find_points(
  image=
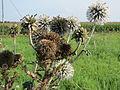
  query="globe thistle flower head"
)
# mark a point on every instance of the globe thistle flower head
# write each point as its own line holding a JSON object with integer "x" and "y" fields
{"x": 46, "y": 49}
{"x": 44, "y": 22}
{"x": 73, "y": 23}
{"x": 9, "y": 60}
{"x": 98, "y": 13}
{"x": 65, "y": 50}
{"x": 37, "y": 36}
{"x": 53, "y": 37}
{"x": 65, "y": 69}
{"x": 14, "y": 30}
{"x": 80, "y": 35}
{"x": 59, "y": 25}
{"x": 29, "y": 22}
{"x": 41, "y": 34}
{"x": 6, "y": 59}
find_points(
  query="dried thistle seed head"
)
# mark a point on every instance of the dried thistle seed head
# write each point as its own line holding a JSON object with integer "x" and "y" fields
{"x": 54, "y": 37}
{"x": 98, "y": 13}
{"x": 46, "y": 49}
{"x": 14, "y": 30}
{"x": 44, "y": 22}
{"x": 80, "y": 35}
{"x": 18, "y": 59}
{"x": 29, "y": 22}
{"x": 65, "y": 50}
{"x": 6, "y": 58}
{"x": 73, "y": 23}
{"x": 66, "y": 70}
{"x": 59, "y": 25}
{"x": 37, "y": 36}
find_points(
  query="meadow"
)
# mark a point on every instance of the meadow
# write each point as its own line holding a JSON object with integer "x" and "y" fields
{"x": 99, "y": 71}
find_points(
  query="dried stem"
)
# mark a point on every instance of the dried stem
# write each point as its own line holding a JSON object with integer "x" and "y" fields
{"x": 69, "y": 35}
{"x": 14, "y": 39}
{"x": 77, "y": 48}
{"x": 84, "y": 47}
{"x": 91, "y": 34}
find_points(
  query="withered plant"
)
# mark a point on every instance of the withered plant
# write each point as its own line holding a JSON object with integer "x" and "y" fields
{"x": 14, "y": 31}
{"x": 8, "y": 61}
{"x": 54, "y": 54}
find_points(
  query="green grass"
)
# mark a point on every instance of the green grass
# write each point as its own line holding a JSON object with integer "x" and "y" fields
{"x": 99, "y": 71}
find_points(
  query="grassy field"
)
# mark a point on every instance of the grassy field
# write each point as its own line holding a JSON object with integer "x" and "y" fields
{"x": 99, "y": 71}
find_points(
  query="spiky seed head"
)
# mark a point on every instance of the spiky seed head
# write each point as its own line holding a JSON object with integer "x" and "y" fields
{"x": 59, "y": 25}
{"x": 29, "y": 22}
{"x": 80, "y": 35}
{"x": 98, "y": 13}
{"x": 65, "y": 69}
{"x": 65, "y": 50}
{"x": 44, "y": 22}
{"x": 46, "y": 49}
{"x": 6, "y": 59}
{"x": 73, "y": 23}
{"x": 14, "y": 30}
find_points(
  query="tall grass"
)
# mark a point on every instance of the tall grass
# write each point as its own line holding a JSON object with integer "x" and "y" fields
{"x": 99, "y": 71}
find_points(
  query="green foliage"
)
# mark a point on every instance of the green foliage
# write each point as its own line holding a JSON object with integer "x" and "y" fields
{"x": 4, "y": 29}
{"x": 105, "y": 28}
{"x": 100, "y": 71}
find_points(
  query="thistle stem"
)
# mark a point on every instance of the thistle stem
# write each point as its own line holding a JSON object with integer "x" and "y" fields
{"x": 84, "y": 47}
{"x": 91, "y": 34}
{"x": 14, "y": 44}
{"x": 77, "y": 48}
{"x": 30, "y": 38}
{"x": 69, "y": 35}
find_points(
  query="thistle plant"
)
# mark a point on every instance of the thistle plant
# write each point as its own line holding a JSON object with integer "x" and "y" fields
{"x": 8, "y": 61}
{"x": 54, "y": 54}
{"x": 29, "y": 23}
{"x": 80, "y": 36}
{"x": 14, "y": 31}
{"x": 97, "y": 14}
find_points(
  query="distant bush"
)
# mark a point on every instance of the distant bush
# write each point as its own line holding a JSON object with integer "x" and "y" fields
{"x": 4, "y": 29}
{"x": 110, "y": 27}
{"x": 105, "y": 28}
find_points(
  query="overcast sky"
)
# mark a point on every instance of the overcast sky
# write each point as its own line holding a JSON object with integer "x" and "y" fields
{"x": 63, "y": 8}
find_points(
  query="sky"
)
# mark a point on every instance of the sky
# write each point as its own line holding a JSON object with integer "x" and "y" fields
{"x": 64, "y": 8}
